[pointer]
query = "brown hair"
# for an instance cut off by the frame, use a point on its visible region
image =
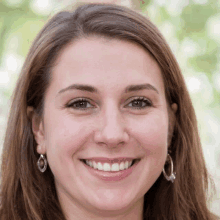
(28, 194)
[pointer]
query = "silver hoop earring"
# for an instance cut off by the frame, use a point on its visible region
(44, 160)
(172, 176)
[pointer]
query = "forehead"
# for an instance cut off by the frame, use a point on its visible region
(107, 64)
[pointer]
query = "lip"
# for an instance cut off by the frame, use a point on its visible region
(111, 175)
(110, 160)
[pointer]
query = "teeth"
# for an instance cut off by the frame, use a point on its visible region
(100, 166)
(94, 165)
(122, 166)
(126, 165)
(109, 167)
(90, 163)
(106, 167)
(115, 167)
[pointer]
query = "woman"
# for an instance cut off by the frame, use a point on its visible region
(102, 126)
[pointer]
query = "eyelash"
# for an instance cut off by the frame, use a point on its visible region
(142, 99)
(147, 102)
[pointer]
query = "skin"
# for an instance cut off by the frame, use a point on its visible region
(108, 125)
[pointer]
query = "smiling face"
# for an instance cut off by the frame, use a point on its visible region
(106, 104)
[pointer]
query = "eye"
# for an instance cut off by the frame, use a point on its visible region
(80, 104)
(140, 103)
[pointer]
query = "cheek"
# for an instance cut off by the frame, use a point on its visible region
(152, 132)
(64, 135)
(64, 139)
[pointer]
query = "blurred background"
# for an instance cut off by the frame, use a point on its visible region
(191, 27)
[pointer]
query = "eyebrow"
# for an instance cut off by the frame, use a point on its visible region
(81, 87)
(88, 88)
(133, 88)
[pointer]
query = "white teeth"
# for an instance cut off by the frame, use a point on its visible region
(106, 167)
(100, 166)
(122, 166)
(115, 167)
(109, 167)
(90, 163)
(126, 164)
(94, 165)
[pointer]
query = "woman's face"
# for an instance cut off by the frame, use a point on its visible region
(105, 104)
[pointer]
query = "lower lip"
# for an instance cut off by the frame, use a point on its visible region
(111, 176)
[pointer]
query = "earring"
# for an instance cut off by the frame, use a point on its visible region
(44, 163)
(172, 176)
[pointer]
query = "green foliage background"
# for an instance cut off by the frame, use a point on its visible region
(192, 29)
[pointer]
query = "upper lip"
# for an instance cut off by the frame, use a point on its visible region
(110, 160)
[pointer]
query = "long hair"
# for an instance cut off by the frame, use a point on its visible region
(27, 194)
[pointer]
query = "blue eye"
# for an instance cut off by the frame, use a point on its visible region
(81, 104)
(140, 103)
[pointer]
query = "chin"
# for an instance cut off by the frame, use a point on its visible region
(115, 203)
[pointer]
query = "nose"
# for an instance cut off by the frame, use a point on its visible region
(111, 129)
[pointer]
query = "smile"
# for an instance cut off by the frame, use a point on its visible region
(114, 167)
(110, 169)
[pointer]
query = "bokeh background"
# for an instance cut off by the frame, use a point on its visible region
(191, 27)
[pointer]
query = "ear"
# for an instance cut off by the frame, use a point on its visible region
(172, 121)
(37, 129)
